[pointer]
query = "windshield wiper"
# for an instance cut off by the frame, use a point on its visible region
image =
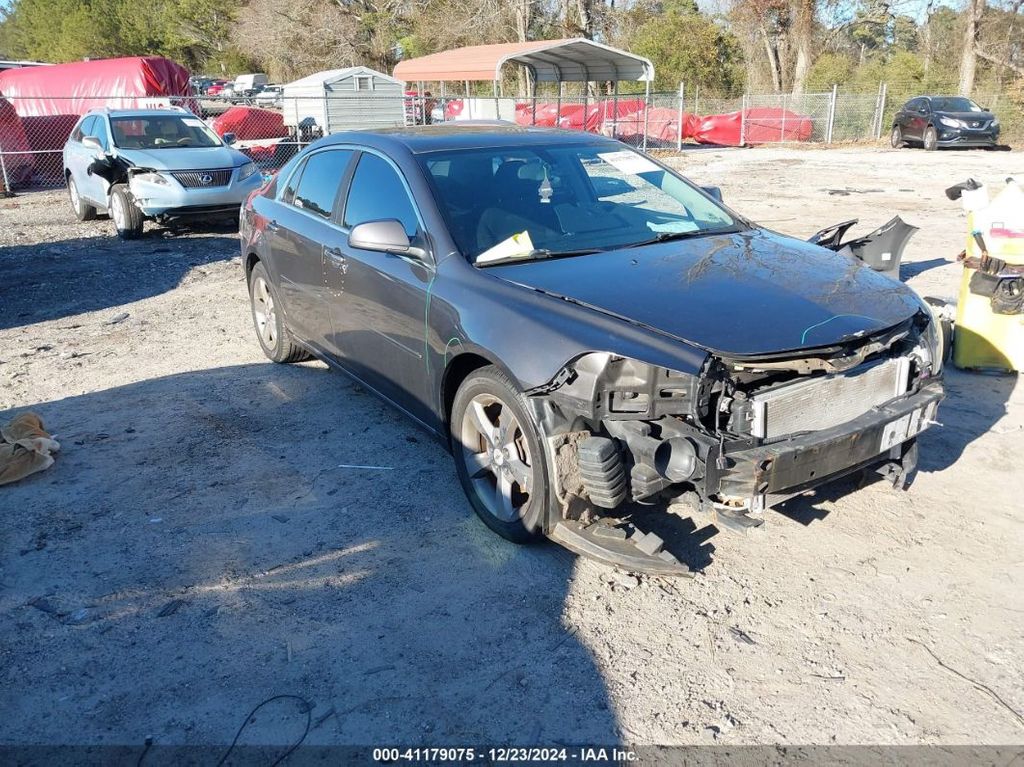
(538, 254)
(670, 236)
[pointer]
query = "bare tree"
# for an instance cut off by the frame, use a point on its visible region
(969, 54)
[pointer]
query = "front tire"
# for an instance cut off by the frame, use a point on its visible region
(271, 331)
(896, 137)
(499, 455)
(83, 211)
(931, 140)
(127, 217)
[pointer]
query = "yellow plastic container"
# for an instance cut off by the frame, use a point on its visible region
(984, 339)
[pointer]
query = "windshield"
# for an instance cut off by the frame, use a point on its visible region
(503, 203)
(161, 132)
(954, 104)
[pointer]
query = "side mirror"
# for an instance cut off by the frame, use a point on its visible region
(229, 138)
(713, 191)
(93, 143)
(386, 236)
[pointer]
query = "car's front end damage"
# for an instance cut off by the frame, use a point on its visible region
(739, 437)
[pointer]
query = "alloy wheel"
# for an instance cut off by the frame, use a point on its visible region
(497, 457)
(263, 311)
(117, 212)
(73, 191)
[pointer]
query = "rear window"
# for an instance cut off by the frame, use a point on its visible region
(320, 181)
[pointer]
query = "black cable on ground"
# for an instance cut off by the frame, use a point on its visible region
(307, 707)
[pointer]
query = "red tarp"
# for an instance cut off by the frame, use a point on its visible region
(572, 116)
(763, 125)
(17, 167)
(250, 124)
(74, 89)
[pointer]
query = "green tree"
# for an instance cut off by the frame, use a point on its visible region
(686, 45)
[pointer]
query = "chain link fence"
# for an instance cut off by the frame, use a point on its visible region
(270, 127)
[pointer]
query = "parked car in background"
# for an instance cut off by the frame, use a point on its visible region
(153, 163)
(584, 328)
(944, 121)
(216, 87)
(247, 86)
(270, 96)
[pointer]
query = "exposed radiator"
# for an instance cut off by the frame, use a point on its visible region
(822, 403)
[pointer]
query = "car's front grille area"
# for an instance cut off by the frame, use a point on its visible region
(203, 179)
(822, 403)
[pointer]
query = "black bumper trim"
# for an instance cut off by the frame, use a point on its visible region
(812, 459)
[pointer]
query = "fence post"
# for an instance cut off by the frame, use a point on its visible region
(881, 110)
(679, 127)
(5, 182)
(742, 120)
(831, 114)
(647, 111)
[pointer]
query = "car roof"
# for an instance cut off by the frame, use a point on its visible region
(179, 111)
(469, 135)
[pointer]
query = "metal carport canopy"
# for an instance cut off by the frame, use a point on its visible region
(551, 61)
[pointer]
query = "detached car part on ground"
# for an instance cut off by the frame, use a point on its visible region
(586, 330)
(163, 164)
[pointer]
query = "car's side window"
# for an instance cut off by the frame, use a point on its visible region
(377, 193)
(83, 128)
(321, 178)
(98, 129)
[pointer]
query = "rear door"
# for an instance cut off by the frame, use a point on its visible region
(378, 300)
(303, 228)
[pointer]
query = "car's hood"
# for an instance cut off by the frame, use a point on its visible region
(968, 116)
(182, 158)
(749, 293)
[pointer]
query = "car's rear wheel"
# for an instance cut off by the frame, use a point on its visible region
(896, 137)
(931, 139)
(127, 217)
(83, 211)
(499, 455)
(271, 330)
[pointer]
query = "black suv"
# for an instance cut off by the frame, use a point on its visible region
(940, 121)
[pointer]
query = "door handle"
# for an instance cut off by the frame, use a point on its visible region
(334, 255)
(273, 226)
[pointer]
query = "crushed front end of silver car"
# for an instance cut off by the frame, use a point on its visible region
(742, 436)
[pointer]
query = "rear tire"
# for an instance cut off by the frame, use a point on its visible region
(127, 217)
(83, 211)
(896, 138)
(931, 139)
(274, 337)
(499, 455)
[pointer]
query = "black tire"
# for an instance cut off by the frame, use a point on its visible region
(83, 211)
(896, 137)
(125, 214)
(528, 520)
(931, 139)
(271, 331)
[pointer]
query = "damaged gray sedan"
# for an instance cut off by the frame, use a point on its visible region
(586, 330)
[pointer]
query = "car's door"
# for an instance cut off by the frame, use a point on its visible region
(77, 157)
(91, 185)
(303, 227)
(919, 117)
(378, 300)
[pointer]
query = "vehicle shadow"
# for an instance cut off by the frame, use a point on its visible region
(211, 539)
(49, 281)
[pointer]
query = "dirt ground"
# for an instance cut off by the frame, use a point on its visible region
(200, 545)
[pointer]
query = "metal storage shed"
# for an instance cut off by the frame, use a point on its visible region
(344, 99)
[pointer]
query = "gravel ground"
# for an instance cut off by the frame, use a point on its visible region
(198, 548)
